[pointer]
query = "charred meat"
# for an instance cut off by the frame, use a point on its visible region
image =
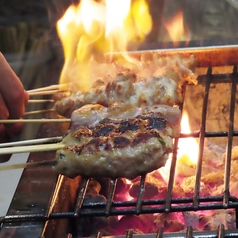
(118, 148)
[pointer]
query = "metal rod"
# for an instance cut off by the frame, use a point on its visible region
(159, 233)
(221, 231)
(230, 139)
(140, 194)
(81, 195)
(201, 139)
(173, 165)
(112, 189)
(208, 56)
(189, 233)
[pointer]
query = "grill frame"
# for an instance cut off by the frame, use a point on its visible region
(57, 211)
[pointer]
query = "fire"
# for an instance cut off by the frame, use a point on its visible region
(187, 147)
(176, 29)
(92, 29)
(187, 153)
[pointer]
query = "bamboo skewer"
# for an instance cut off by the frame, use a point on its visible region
(52, 87)
(31, 148)
(49, 92)
(43, 120)
(40, 100)
(32, 142)
(28, 165)
(38, 112)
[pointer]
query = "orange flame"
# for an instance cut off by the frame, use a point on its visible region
(187, 147)
(187, 150)
(93, 28)
(176, 29)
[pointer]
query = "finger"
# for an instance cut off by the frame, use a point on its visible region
(11, 84)
(4, 114)
(4, 138)
(14, 130)
(26, 97)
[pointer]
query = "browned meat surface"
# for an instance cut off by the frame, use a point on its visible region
(118, 148)
(91, 114)
(164, 86)
(126, 90)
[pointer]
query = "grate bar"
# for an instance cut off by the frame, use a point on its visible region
(171, 177)
(230, 138)
(159, 233)
(81, 195)
(189, 233)
(201, 139)
(221, 231)
(112, 189)
(140, 195)
(173, 167)
(129, 234)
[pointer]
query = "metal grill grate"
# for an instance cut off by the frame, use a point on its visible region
(57, 212)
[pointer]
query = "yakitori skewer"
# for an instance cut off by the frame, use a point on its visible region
(31, 148)
(52, 87)
(49, 92)
(42, 120)
(31, 101)
(28, 165)
(31, 142)
(38, 112)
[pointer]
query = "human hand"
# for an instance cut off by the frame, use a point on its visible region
(13, 99)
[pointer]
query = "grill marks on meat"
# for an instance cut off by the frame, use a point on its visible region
(117, 148)
(109, 127)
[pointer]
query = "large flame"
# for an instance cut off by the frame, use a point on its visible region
(92, 28)
(176, 29)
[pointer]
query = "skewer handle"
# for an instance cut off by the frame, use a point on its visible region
(31, 148)
(7, 121)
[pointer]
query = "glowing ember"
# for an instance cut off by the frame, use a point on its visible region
(176, 29)
(93, 28)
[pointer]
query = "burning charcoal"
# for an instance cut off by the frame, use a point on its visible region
(213, 179)
(93, 186)
(122, 185)
(177, 192)
(93, 198)
(191, 219)
(171, 222)
(150, 190)
(89, 226)
(122, 190)
(234, 154)
(156, 175)
(154, 182)
(141, 224)
(185, 170)
(188, 185)
(212, 222)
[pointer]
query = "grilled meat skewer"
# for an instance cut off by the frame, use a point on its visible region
(160, 85)
(118, 148)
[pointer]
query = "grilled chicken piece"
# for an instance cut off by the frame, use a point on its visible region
(159, 81)
(125, 89)
(118, 148)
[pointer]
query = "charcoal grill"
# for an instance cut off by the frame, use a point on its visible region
(48, 205)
